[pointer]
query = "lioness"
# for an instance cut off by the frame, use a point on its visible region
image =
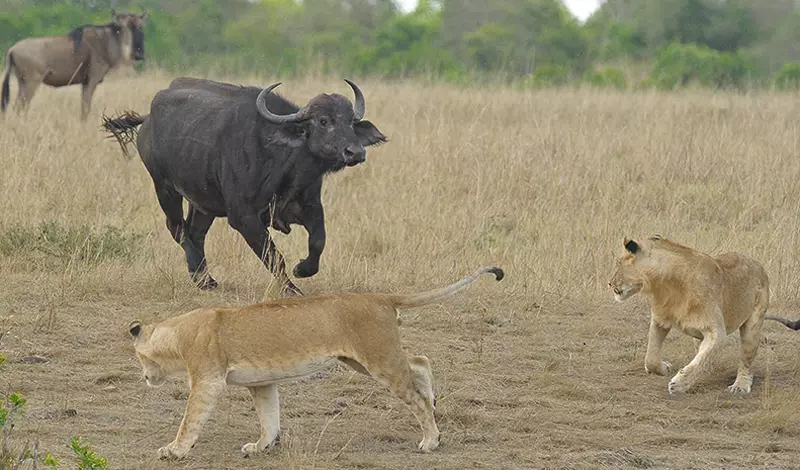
(260, 345)
(705, 297)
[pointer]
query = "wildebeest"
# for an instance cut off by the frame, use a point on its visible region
(247, 154)
(83, 56)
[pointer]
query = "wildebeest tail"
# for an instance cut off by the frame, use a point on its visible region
(123, 128)
(795, 325)
(6, 87)
(417, 300)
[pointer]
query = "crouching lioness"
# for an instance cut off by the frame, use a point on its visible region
(705, 297)
(260, 345)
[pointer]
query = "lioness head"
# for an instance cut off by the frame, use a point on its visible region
(154, 374)
(627, 280)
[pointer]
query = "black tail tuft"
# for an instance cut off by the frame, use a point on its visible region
(498, 273)
(794, 325)
(123, 128)
(6, 87)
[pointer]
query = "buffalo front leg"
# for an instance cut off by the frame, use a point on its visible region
(193, 243)
(202, 399)
(655, 340)
(314, 223)
(257, 237)
(269, 416)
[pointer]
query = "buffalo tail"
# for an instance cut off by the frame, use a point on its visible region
(123, 128)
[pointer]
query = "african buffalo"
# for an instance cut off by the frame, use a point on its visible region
(247, 154)
(84, 55)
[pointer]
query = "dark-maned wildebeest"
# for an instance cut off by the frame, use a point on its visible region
(247, 154)
(83, 56)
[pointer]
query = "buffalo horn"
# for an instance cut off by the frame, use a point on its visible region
(261, 105)
(360, 107)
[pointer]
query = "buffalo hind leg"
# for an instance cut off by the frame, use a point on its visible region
(193, 243)
(257, 237)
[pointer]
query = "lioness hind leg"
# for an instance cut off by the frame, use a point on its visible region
(269, 416)
(412, 381)
(750, 338)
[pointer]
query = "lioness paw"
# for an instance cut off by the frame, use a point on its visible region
(169, 453)
(678, 384)
(250, 448)
(663, 369)
(428, 445)
(741, 385)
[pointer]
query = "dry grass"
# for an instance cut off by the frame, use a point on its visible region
(542, 370)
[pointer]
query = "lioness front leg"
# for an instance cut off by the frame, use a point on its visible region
(655, 340)
(687, 376)
(202, 399)
(269, 416)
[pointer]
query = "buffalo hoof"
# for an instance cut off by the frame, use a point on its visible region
(305, 269)
(206, 282)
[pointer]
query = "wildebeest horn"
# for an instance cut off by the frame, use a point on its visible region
(261, 105)
(360, 107)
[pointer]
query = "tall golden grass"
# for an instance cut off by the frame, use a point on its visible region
(541, 370)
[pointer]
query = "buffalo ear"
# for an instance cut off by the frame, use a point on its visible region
(631, 246)
(368, 134)
(135, 328)
(293, 135)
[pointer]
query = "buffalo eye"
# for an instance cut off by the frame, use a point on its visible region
(323, 121)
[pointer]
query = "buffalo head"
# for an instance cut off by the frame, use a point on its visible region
(330, 126)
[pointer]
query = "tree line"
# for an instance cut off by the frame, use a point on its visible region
(625, 43)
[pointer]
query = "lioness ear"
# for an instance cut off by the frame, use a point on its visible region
(631, 245)
(135, 328)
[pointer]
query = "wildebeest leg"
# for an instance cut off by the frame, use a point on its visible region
(193, 243)
(95, 77)
(27, 88)
(252, 229)
(314, 223)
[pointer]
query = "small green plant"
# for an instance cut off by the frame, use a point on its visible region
(87, 458)
(2, 358)
(788, 77)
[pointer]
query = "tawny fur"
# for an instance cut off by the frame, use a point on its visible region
(261, 345)
(703, 296)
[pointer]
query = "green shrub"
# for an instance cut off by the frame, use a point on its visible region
(610, 77)
(679, 65)
(545, 76)
(788, 77)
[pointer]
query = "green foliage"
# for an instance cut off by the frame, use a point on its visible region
(2, 359)
(87, 458)
(722, 42)
(788, 77)
(610, 77)
(679, 65)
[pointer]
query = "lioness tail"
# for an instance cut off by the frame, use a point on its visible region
(417, 300)
(795, 325)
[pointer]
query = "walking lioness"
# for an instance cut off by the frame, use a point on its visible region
(705, 297)
(260, 345)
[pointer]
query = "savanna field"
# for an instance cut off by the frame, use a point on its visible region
(541, 370)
